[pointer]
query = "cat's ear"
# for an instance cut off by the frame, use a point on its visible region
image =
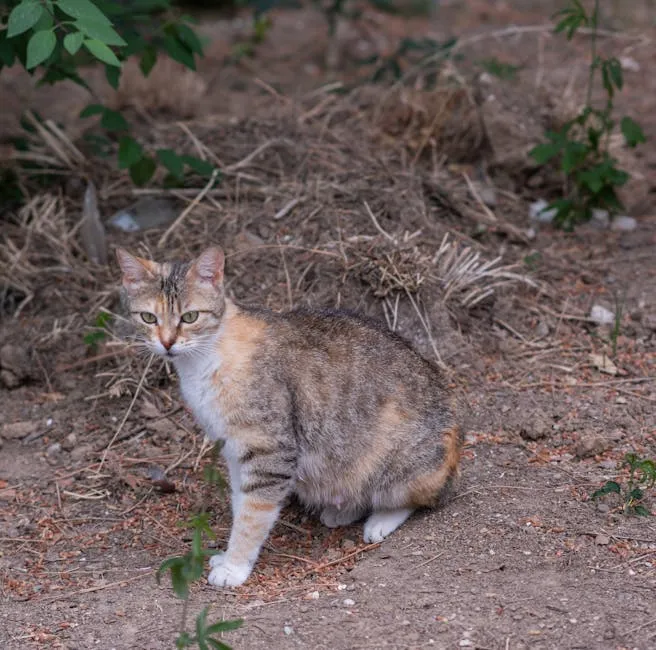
(135, 269)
(209, 266)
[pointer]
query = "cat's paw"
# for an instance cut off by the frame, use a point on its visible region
(225, 574)
(217, 559)
(383, 522)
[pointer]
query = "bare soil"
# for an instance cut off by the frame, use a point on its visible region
(100, 463)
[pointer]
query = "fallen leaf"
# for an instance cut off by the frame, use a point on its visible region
(602, 363)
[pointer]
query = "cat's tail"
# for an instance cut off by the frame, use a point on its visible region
(427, 489)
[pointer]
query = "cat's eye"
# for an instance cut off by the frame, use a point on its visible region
(189, 317)
(147, 317)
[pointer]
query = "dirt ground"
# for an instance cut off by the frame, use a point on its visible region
(99, 462)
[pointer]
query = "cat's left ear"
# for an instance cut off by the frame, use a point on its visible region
(209, 266)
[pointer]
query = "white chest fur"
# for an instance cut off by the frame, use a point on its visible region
(199, 390)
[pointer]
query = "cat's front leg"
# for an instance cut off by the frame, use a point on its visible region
(265, 485)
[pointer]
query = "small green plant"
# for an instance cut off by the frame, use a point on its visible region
(61, 36)
(188, 568)
(500, 69)
(581, 145)
(99, 331)
(642, 477)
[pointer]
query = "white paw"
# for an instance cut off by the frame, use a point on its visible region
(217, 560)
(228, 575)
(380, 524)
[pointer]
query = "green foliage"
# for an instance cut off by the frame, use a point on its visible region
(499, 69)
(60, 36)
(580, 146)
(188, 568)
(642, 477)
(99, 331)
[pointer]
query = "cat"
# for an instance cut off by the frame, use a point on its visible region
(326, 405)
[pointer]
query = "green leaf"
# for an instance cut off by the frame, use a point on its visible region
(636, 494)
(84, 10)
(178, 52)
(201, 167)
(23, 17)
(608, 488)
(172, 162)
(113, 75)
(184, 640)
(129, 152)
(73, 42)
(224, 626)
(180, 585)
(101, 32)
(166, 565)
(543, 153)
(641, 511)
(189, 38)
(40, 47)
(113, 121)
(632, 132)
(217, 645)
(148, 60)
(101, 51)
(92, 109)
(142, 171)
(7, 54)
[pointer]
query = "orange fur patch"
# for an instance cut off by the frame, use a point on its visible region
(425, 490)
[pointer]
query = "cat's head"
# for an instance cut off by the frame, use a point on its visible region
(176, 307)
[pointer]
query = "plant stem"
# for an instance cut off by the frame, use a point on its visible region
(593, 50)
(183, 622)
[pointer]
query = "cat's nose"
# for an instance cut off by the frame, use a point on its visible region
(168, 343)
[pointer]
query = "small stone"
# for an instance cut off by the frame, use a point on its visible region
(465, 643)
(542, 329)
(621, 400)
(488, 196)
(602, 540)
(629, 63)
(603, 508)
(537, 428)
(348, 544)
(15, 364)
(288, 630)
(69, 442)
(600, 218)
(313, 595)
(538, 211)
(81, 452)
(18, 429)
(53, 449)
(623, 224)
(590, 446)
(602, 316)
(608, 464)
(348, 602)
(341, 587)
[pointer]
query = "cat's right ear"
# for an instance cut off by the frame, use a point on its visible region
(135, 269)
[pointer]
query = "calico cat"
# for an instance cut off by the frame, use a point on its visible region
(329, 406)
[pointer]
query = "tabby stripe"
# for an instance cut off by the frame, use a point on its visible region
(281, 476)
(260, 485)
(249, 454)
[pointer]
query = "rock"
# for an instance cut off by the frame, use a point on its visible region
(69, 442)
(608, 464)
(348, 602)
(81, 452)
(18, 429)
(488, 196)
(537, 428)
(465, 643)
(15, 364)
(602, 540)
(288, 630)
(649, 321)
(590, 446)
(603, 507)
(603, 363)
(53, 449)
(542, 329)
(313, 595)
(602, 316)
(537, 212)
(623, 224)
(600, 218)
(629, 63)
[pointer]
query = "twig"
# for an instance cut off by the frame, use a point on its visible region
(199, 197)
(640, 627)
(379, 228)
(286, 209)
(127, 413)
(440, 554)
(290, 298)
(89, 590)
(342, 559)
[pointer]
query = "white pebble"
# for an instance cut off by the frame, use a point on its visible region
(629, 64)
(537, 211)
(601, 315)
(465, 643)
(341, 587)
(623, 224)
(349, 602)
(288, 629)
